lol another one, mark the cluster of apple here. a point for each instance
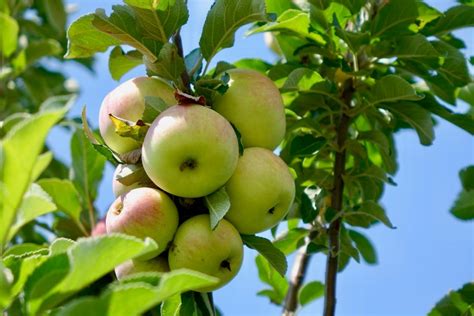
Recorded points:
(190, 151)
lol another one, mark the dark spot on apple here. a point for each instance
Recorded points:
(271, 211)
(189, 163)
(118, 208)
(226, 265)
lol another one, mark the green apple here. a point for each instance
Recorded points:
(261, 191)
(255, 107)
(127, 101)
(217, 252)
(128, 177)
(144, 212)
(158, 264)
(190, 151)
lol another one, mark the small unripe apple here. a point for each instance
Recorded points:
(136, 177)
(127, 101)
(261, 191)
(190, 151)
(254, 105)
(144, 212)
(217, 252)
(158, 264)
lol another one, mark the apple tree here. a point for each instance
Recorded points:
(302, 147)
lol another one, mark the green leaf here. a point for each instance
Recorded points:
(467, 94)
(268, 275)
(467, 178)
(426, 14)
(87, 168)
(120, 62)
(265, 247)
(18, 152)
(97, 256)
(122, 25)
(365, 247)
(306, 145)
(41, 164)
(84, 39)
(301, 79)
(135, 298)
(456, 303)
(291, 240)
(455, 18)
(64, 195)
(393, 88)
(36, 202)
(223, 20)
(464, 121)
(160, 19)
(6, 280)
(415, 48)
(366, 213)
(394, 18)
(310, 292)
(463, 207)
(218, 204)
(55, 14)
(454, 68)
(415, 115)
(171, 306)
(9, 34)
(153, 107)
(42, 48)
(292, 21)
(279, 6)
(169, 64)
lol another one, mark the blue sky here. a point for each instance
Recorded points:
(429, 253)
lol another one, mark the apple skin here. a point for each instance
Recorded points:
(99, 228)
(127, 101)
(254, 106)
(217, 252)
(190, 151)
(261, 191)
(158, 264)
(124, 170)
(144, 212)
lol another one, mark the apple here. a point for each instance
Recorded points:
(127, 101)
(217, 252)
(144, 212)
(261, 191)
(254, 106)
(158, 264)
(135, 178)
(190, 151)
(99, 228)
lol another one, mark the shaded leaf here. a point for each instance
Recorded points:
(393, 88)
(223, 20)
(265, 247)
(84, 40)
(365, 247)
(394, 18)
(415, 115)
